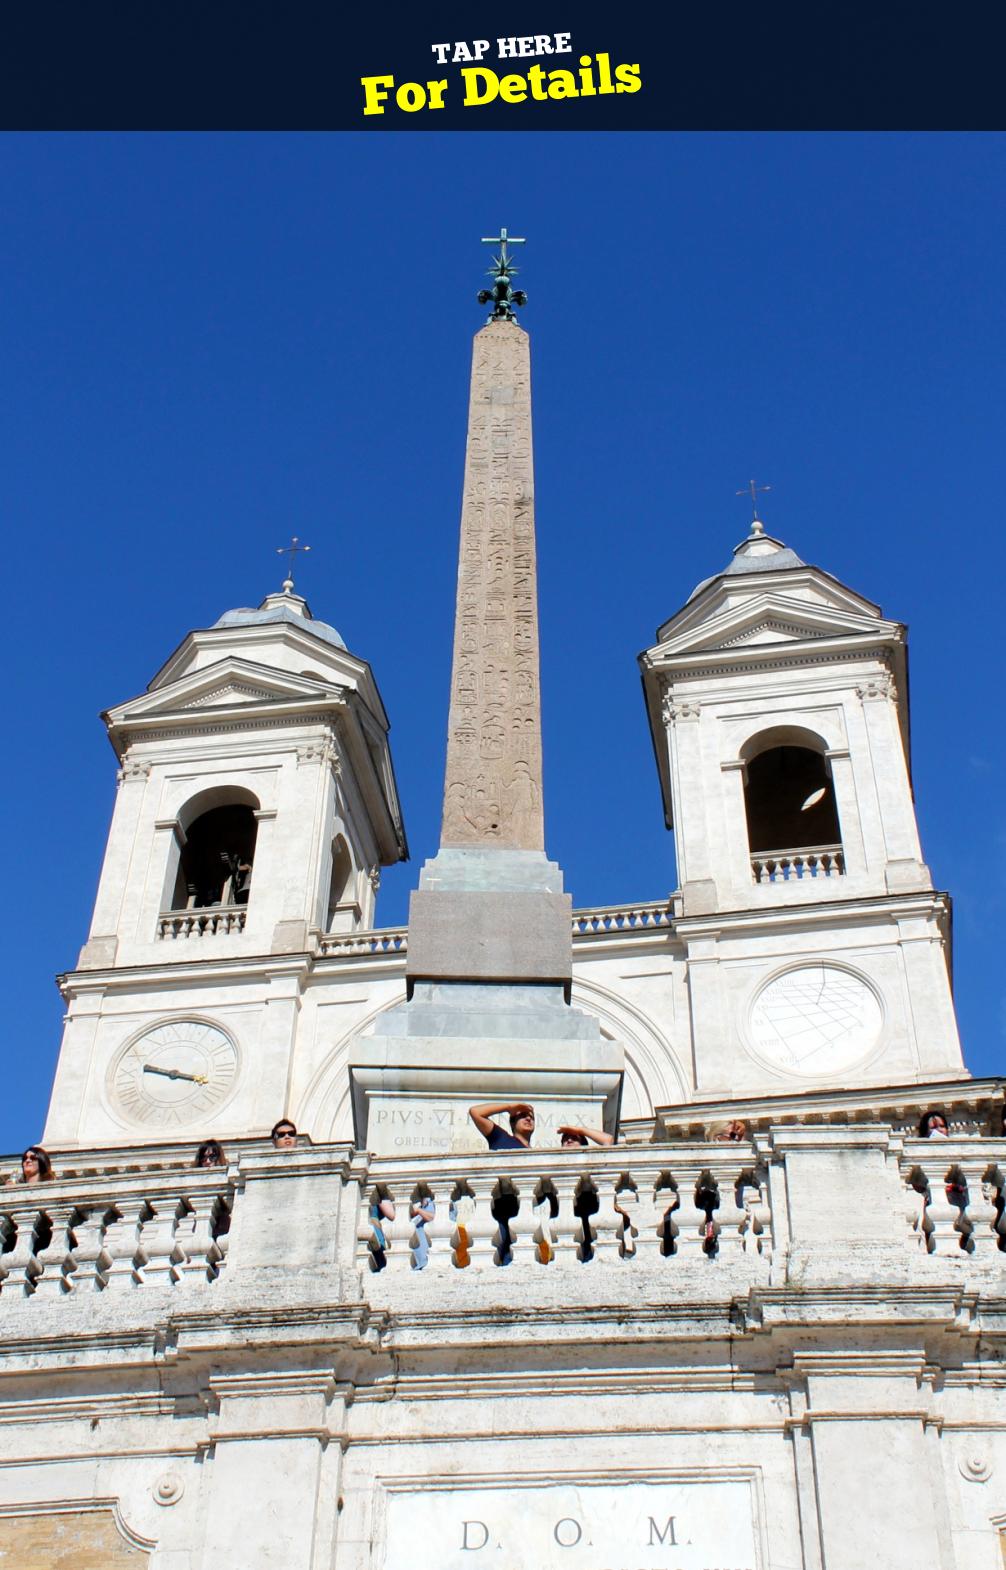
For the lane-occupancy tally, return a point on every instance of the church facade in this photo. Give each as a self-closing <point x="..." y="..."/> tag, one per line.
<point x="390" y="1345"/>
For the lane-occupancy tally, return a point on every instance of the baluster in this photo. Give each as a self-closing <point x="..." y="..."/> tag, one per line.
<point x="606" y="1222"/>
<point x="8" y="1237"/>
<point x="980" y="1212"/>
<point x="586" y="1205"/>
<point x="690" y="1220"/>
<point x="19" y="1262"/>
<point x="523" y="1230"/>
<point x="441" y="1230"/>
<point x="155" y="1256"/>
<point x="483" y="1228"/>
<point x="375" y="1227"/>
<point x="567" y="1228"/>
<point x="462" y="1209"/>
<point x="658" y="1231"/>
<point x="54" y="1259"/>
<point x="428" y="1233"/>
<point x="122" y="1238"/>
<point x="915" y="1209"/>
<point x="92" y="1261"/>
<point x="364" y="1230"/>
<point x="995" y="1187"/>
<point x="400" y="1239"/>
<point x="758" y="1227"/>
<point x="545" y="1201"/>
<point x="193" y="1250"/>
<point x="220" y="1227"/>
<point x="943" y="1217"/>
<point x="627" y="1206"/>
<point x="505" y="1207"/>
<point x="731" y="1218"/>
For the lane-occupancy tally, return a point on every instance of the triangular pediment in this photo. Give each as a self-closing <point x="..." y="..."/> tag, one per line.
<point x="763" y="616"/>
<point x="228" y="683"/>
<point x="770" y="629"/>
<point x="228" y="692"/>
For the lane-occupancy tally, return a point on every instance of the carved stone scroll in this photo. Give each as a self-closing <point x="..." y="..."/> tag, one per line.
<point x="492" y="786"/>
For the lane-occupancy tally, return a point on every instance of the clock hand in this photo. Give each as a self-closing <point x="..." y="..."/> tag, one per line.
<point x="175" y="1073"/>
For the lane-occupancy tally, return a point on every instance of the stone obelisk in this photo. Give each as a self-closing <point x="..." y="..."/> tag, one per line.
<point x="489" y="964"/>
<point x="489" y="906"/>
<point x="492" y="783"/>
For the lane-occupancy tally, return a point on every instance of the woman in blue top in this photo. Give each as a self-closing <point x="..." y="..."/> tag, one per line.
<point x="521" y="1124"/>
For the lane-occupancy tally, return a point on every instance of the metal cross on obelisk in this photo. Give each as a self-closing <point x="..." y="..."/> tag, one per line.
<point x="291" y="551"/>
<point x="503" y="297"/>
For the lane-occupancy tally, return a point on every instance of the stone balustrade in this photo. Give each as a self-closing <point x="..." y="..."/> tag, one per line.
<point x="790" y="866"/>
<point x="377" y="940"/>
<point x="565" y="1210"/>
<point x="956" y="1196"/>
<point x="725" y="1215"/>
<point x="640" y="917"/>
<point x="645" y="917"/>
<point x="203" y="921"/>
<point x="113" y="1232"/>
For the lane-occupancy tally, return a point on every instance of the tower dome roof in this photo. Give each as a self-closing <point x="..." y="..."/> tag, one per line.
<point x="284" y="607"/>
<point x="759" y="552"/>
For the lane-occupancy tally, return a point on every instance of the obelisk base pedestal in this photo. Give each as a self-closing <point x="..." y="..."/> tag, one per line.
<point x="456" y="1044"/>
<point x="490" y="915"/>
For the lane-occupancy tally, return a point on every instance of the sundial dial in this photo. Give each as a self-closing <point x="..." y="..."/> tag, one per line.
<point x="815" y="1019"/>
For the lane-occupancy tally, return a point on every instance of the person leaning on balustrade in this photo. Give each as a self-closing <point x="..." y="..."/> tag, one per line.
<point x="586" y="1204"/>
<point x="210" y="1154"/>
<point x="35" y="1167"/>
<point x="570" y="1134"/>
<point x="521" y="1124"/>
<point x="382" y="1208"/>
<point x="933" y="1125"/>
<point x="521" y="1116"/>
<point x="422" y="1209"/>
<point x="284" y="1134"/>
<point x="726" y="1133"/>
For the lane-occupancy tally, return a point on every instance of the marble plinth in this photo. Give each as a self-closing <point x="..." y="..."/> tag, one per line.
<point x="455" y="1044"/>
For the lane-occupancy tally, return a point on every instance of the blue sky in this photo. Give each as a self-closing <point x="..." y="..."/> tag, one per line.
<point x="214" y="342"/>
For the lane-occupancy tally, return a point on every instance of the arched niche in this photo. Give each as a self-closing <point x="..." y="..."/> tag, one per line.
<point x="218" y="830"/>
<point x="789" y="795"/>
<point x="343" y="907"/>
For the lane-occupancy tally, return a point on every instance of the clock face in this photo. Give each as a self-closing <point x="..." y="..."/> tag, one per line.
<point x="815" y="1019"/>
<point x="174" y="1074"/>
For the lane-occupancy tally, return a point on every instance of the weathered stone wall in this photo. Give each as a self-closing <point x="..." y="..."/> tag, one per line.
<point x="76" y="1540"/>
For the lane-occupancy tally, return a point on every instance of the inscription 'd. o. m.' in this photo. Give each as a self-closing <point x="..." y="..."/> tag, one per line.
<point x="622" y="1525"/>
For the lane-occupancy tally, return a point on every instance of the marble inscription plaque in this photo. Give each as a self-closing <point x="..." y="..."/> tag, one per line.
<point x="415" y="1126"/>
<point x="575" y="1526"/>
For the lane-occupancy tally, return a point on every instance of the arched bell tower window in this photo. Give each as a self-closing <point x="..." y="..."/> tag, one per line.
<point x="792" y="816"/>
<point x="217" y="859"/>
<point x="343" y="910"/>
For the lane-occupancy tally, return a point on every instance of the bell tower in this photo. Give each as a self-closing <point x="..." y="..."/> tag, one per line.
<point x="256" y="805"/>
<point x="777" y="700"/>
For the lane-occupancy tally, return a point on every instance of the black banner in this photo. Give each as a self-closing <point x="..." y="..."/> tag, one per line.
<point x="557" y="65"/>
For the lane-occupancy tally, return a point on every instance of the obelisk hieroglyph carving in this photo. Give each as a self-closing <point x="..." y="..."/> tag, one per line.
<point x="493" y="779"/>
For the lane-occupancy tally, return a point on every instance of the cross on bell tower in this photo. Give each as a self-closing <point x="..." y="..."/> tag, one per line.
<point x="290" y="550"/>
